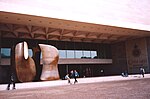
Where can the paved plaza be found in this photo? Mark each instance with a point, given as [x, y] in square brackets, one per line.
[111, 87]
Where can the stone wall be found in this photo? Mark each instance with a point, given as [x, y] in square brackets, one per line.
[148, 52]
[137, 55]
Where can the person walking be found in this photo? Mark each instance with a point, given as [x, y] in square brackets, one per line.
[142, 71]
[75, 75]
[11, 81]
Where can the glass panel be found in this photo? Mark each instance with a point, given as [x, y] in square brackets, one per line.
[70, 54]
[30, 52]
[78, 54]
[93, 54]
[5, 52]
[87, 54]
[62, 53]
[41, 55]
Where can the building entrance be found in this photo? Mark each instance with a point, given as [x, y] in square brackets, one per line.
[84, 70]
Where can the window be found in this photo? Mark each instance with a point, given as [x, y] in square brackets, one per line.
[41, 55]
[87, 54]
[70, 54]
[62, 53]
[78, 54]
[30, 52]
[93, 54]
[5, 52]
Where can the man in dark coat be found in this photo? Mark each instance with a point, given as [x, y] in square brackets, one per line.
[11, 81]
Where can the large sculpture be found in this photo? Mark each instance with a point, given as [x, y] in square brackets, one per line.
[50, 60]
[25, 66]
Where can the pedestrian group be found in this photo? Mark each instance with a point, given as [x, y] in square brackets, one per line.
[73, 74]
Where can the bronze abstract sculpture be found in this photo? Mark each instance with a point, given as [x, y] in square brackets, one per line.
[50, 60]
[25, 66]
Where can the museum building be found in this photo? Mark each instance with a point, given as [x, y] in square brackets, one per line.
[92, 49]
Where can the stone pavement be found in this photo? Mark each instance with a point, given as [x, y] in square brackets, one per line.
[30, 85]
